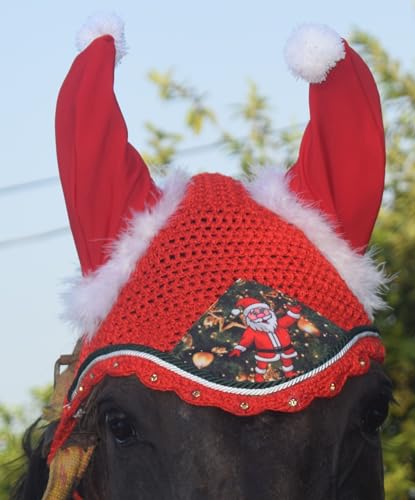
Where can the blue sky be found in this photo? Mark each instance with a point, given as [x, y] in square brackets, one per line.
[215, 45]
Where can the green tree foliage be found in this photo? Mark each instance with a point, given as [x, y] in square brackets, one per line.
[163, 144]
[394, 235]
[260, 145]
[13, 422]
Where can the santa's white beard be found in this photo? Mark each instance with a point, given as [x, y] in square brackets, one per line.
[263, 326]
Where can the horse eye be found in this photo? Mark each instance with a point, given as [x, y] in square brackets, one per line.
[120, 426]
[375, 415]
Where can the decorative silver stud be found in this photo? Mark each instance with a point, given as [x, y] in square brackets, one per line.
[244, 406]
[332, 386]
[293, 402]
[79, 413]
[196, 394]
[154, 377]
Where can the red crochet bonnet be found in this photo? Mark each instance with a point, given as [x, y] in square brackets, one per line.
[247, 296]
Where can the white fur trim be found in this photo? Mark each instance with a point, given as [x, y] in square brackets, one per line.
[288, 356]
[288, 368]
[91, 297]
[362, 275]
[248, 309]
[100, 25]
[260, 370]
[276, 357]
[293, 315]
[240, 348]
[312, 51]
[236, 312]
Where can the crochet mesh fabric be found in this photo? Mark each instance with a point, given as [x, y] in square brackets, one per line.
[218, 235]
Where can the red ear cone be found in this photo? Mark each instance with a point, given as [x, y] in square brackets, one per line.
[103, 176]
[341, 165]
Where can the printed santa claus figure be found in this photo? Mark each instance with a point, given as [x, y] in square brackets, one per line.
[268, 335]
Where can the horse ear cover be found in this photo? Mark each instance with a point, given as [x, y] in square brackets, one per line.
[179, 249]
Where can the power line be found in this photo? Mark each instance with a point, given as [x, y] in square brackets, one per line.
[182, 152]
[200, 149]
[32, 238]
[37, 237]
[28, 185]
[52, 180]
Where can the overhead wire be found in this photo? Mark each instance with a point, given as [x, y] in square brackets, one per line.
[12, 188]
[37, 183]
[181, 152]
[31, 238]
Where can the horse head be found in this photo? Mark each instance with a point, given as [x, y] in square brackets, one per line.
[227, 348]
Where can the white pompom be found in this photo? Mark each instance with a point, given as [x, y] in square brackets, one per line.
[312, 51]
[100, 25]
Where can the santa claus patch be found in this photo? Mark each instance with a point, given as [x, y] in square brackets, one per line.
[254, 334]
[252, 341]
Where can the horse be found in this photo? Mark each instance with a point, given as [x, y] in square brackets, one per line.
[227, 348]
[151, 445]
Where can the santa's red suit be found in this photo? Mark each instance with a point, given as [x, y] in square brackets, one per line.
[270, 345]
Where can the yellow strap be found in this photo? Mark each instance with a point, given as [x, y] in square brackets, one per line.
[66, 470]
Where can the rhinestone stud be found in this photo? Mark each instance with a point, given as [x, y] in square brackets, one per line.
[196, 394]
[293, 402]
[116, 364]
[244, 405]
[154, 377]
[362, 362]
[332, 386]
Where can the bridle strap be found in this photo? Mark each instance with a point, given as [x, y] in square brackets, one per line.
[66, 470]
